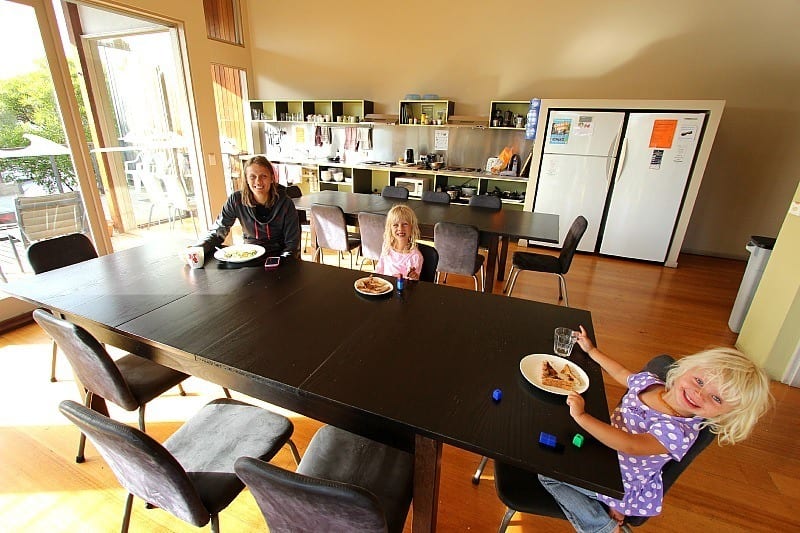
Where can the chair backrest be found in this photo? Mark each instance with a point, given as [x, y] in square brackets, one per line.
[58, 252]
[176, 192]
[294, 502]
[436, 197]
[293, 191]
[42, 217]
[141, 465]
[91, 363]
[395, 192]
[430, 262]
[457, 245]
[330, 227]
[10, 188]
[571, 242]
[371, 226]
[489, 201]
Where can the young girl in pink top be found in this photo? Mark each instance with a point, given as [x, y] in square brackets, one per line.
[657, 422]
[400, 256]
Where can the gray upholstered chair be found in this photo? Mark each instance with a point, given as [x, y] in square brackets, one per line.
[50, 254]
[191, 475]
[436, 197]
[331, 231]
[430, 262]
[130, 381]
[521, 491]
[549, 264]
[457, 245]
[487, 201]
[345, 482]
[391, 191]
[371, 226]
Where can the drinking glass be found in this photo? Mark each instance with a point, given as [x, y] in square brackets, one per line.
[563, 341]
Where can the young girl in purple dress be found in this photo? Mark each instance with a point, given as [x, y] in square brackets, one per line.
[400, 255]
[658, 422]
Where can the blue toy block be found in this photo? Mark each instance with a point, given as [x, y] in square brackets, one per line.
[546, 439]
[497, 395]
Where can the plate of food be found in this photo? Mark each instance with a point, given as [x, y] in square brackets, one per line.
[373, 286]
[553, 374]
[239, 253]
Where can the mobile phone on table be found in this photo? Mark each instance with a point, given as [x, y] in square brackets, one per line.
[272, 262]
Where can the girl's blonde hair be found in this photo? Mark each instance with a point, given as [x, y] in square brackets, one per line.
[742, 384]
[400, 213]
[248, 198]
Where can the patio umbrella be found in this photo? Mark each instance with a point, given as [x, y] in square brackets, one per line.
[39, 147]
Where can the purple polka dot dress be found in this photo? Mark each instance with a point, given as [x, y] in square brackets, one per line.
[641, 474]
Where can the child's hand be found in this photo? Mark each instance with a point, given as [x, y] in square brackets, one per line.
[412, 274]
[576, 404]
[583, 340]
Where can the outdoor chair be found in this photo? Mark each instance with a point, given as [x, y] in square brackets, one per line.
[344, 482]
[457, 245]
[43, 217]
[191, 475]
[521, 491]
[331, 231]
[50, 254]
[549, 264]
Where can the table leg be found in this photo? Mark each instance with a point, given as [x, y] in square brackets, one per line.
[501, 261]
[427, 466]
[491, 262]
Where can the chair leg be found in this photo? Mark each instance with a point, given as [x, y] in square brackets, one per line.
[126, 517]
[476, 478]
[53, 363]
[295, 452]
[512, 279]
[562, 289]
[141, 417]
[506, 519]
[508, 279]
[3, 276]
[227, 392]
[180, 390]
[215, 523]
[82, 440]
[317, 257]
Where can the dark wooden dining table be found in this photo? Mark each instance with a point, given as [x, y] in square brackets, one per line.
[494, 224]
[415, 369]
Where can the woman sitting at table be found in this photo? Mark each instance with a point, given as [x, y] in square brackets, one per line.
[268, 217]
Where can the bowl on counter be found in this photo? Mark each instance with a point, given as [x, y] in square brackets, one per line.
[326, 175]
[338, 176]
[437, 165]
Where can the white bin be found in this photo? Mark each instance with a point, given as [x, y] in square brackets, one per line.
[760, 249]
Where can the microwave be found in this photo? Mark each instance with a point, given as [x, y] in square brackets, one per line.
[415, 184]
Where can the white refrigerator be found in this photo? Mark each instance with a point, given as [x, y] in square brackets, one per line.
[625, 172]
[576, 170]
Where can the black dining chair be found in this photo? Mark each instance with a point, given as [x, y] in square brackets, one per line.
[293, 191]
[371, 227]
[50, 254]
[549, 264]
[344, 482]
[331, 231]
[130, 381]
[391, 191]
[430, 262]
[191, 475]
[457, 245]
[521, 491]
[435, 197]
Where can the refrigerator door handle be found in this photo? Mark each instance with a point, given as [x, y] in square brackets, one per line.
[622, 155]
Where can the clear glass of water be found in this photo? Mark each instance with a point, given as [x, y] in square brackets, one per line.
[563, 341]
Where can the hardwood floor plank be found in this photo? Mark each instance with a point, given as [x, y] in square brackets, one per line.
[639, 310]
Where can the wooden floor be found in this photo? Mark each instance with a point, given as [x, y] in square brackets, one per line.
[639, 310]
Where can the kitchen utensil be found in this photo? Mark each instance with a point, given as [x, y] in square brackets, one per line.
[436, 165]
[453, 192]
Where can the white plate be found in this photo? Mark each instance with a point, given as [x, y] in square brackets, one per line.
[531, 368]
[230, 253]
[386, 287]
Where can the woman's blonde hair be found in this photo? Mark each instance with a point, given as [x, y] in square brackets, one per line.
[248, 198]
[742, 384]
[400, 213]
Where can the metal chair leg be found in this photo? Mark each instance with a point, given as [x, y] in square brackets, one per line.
[476, 478]
[215, 523]
[180, 390]
[295, 452]
[506, 519]
[80, 458]
[126, 518]
[562, 289]
[508, 279]
[227, 392]
[53, 363]
[512, 279]
[141, 417]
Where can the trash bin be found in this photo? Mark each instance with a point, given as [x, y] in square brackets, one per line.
[760, 249]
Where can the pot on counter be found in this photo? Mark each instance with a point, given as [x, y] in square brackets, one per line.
[453, 192]
[468, 192]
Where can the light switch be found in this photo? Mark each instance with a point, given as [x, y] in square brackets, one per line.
[212, 160]
[794, 209]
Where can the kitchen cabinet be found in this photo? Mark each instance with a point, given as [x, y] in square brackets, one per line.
[513, 109]
[434, 112]
[299, 110]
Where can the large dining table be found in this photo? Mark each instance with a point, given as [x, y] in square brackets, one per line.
[416, 369]
[497, 226]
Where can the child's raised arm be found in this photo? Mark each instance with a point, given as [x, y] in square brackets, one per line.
[622, 441]
[613, 368]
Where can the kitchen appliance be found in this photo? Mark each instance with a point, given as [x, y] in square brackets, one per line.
[625, 172]
[415, 184]
[409, 155]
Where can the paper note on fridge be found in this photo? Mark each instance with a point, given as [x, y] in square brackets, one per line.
[663, 133]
